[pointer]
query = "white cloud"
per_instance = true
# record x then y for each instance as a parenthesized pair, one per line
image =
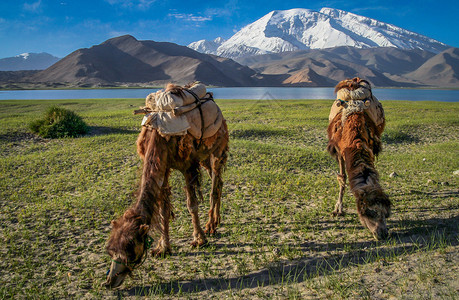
(231, 8)
(377, 8)
(137, 4)
(32, 7)
(96, 26)
(190, 17)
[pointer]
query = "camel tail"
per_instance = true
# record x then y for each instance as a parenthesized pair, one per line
(198, 187)
(196, 173)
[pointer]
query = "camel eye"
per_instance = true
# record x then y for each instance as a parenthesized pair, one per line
(132, 256)
(130, 252)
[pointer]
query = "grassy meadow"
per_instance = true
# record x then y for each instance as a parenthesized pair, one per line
(277, 238)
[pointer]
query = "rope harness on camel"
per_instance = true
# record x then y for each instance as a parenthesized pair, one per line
(131, 266)
(198, 105)
(178, 111)
(357, 94)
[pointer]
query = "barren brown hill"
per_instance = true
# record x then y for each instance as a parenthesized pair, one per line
(384, 66)
(440, 70)
(304, 71)
(307, 77)
(126, 60)
(383, 59)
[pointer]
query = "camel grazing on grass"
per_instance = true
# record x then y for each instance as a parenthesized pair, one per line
(356, 124)
(129, 239)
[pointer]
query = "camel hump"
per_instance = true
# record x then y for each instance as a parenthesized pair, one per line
(174, 96)
(178, 110)
(212, 118)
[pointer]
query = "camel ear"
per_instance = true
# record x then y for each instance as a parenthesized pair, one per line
(144, 229)
(129, 214)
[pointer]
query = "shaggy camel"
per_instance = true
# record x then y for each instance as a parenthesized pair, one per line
(356, 124)
(129, 239)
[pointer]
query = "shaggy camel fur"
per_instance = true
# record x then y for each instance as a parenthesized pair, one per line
(355, 140)
(128, 241)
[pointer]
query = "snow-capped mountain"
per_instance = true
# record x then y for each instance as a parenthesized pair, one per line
(205, 46)
(23, 55)
(298, 29)
(27, 61)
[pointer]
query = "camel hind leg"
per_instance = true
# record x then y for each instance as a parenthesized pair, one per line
(341, 177)
(215, 165)
(191, 180)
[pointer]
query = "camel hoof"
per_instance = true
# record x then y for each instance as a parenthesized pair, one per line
(199, 244)
(161, 253)
(211, 229)
(338, 214)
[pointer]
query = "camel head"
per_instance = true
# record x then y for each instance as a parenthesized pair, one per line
(353, 94)
(374, 215)
(127, 245)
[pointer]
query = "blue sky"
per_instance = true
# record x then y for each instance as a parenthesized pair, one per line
(62, 26)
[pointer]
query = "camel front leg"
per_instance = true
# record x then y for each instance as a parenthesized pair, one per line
(163, 247)
(191, 176)
(341, 177)
(217, 164)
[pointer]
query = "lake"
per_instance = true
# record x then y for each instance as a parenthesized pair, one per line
(252, 93)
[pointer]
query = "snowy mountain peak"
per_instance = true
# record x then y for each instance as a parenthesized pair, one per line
(27, 61)
(205, 46)
(23, 55)
(337, 13)
(219, 40)
(300, 28)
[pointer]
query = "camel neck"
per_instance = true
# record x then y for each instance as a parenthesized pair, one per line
(145, 211)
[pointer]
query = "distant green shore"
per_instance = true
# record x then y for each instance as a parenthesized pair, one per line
(16, 87)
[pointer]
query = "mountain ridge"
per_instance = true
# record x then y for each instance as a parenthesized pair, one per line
(127, 60)
(27, 61)
(301, 29)
(383, 66)
(442, 68)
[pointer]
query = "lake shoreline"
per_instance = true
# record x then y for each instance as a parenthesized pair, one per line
(247, 93)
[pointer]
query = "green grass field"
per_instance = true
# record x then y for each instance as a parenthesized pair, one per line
(277, 238)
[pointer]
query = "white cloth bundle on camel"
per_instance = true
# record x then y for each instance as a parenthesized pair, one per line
(372, 106)
(173, 113)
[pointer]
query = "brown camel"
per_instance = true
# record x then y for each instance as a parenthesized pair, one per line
(129, 237)
(354, 133)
